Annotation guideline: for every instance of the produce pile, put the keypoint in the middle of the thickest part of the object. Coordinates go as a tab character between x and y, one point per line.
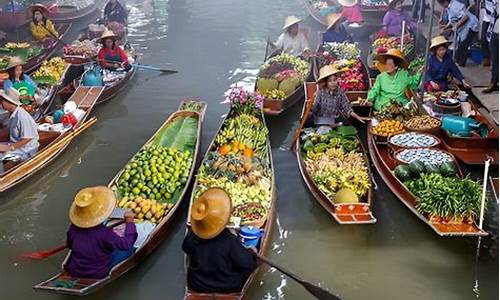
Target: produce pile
414	140
152	181
425	155
351	78
50	72
281	75
335	161
192	105
239	161
85	48
384	43
387	128
397	112
416	64
441	195
343	50
422	122
374	3
24	50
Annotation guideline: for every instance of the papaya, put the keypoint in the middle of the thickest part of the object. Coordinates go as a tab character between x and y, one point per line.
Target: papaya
266	84
289	85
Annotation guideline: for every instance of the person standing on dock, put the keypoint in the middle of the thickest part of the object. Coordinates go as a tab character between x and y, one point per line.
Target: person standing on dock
492	36
292	41
489	10
218	262
462	25
394	17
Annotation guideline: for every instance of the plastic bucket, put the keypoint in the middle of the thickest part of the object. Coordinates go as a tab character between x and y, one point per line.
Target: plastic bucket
476	55
250	236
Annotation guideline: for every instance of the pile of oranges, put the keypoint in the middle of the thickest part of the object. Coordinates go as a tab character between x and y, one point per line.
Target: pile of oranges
388	127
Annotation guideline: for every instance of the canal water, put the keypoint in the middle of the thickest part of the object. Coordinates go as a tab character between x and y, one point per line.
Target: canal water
215	44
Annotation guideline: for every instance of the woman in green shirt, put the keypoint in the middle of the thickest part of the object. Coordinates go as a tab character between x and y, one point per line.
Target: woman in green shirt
393	81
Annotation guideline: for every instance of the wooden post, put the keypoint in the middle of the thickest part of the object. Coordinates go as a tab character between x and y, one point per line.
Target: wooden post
483	197
403	25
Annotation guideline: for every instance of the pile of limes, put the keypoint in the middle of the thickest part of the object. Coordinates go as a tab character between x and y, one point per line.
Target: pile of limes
155	173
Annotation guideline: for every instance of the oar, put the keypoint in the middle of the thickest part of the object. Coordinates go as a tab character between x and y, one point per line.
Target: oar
316	291
145	67
305	114
58	39
41	255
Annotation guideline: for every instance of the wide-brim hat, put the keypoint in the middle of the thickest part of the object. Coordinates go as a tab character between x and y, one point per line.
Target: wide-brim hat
11	95
14	61
92	206
438	41
393	3
290	20
391	53
210	213
347	3
327	71
108	34
332	19
38	6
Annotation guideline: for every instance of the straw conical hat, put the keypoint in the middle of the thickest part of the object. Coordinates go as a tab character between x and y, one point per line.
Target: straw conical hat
14	61
291	20
92	206
327	71
391	53
38	6
332	19
438	41
210	213
347	3
10	95
108	34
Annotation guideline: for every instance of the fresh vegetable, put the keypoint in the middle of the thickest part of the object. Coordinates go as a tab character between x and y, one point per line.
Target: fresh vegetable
388	127
425	155
446	199
343	50
413	140
416	64
192	105
448	169
397	112
403	172
383	43
423	122
275	95
417	167
86	48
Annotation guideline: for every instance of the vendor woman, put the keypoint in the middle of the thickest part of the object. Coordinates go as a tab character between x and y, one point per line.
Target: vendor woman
42	29
292	40
393	81
17	79
23	133
394	17
441	66
330	103
95	247
111	55
351	11
218	262
335	32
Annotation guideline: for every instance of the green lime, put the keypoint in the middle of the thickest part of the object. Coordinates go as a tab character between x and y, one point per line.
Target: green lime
168	195
136	191
147	173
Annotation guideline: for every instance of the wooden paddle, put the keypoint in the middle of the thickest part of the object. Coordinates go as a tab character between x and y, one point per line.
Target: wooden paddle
41	255
145	67
316	291
303	120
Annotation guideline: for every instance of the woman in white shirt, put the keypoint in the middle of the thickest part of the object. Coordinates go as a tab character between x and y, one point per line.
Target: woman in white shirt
292	41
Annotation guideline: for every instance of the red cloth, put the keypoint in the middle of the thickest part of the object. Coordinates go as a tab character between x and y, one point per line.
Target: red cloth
352	14
117	54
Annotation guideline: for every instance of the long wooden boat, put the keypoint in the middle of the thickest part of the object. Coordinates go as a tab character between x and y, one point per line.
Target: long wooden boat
381	156
343	213
36	61
314	13
265	239
84	286
51	143
71	13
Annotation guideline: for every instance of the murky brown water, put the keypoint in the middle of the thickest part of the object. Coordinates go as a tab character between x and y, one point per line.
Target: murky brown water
215	44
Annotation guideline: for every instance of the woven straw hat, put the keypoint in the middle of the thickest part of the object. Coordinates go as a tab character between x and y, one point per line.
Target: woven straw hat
14	61
210	213
332	19
391	53
92	206
326	72
347	3
40	7
108	34
11	95
291	20
438	41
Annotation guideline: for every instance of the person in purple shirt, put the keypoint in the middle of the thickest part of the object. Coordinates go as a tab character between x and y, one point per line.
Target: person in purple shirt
96	248
441	66
394	17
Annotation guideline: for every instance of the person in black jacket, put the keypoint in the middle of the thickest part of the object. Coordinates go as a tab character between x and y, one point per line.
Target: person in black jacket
115	12
218	262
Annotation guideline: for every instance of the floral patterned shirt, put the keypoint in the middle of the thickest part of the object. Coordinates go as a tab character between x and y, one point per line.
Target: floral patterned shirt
329	106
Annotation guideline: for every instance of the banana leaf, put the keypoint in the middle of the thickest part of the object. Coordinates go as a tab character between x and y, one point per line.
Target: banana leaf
180	134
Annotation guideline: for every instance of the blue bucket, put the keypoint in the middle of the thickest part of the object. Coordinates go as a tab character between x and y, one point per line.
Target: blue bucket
250	236
476	54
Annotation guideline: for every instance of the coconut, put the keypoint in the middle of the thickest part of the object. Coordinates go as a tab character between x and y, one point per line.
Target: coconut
345	196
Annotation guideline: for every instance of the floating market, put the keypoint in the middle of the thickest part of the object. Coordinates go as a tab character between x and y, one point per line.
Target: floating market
306	149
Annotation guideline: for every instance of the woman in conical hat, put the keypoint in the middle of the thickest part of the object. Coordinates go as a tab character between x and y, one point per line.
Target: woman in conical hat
351	11
18	79
393	81
218	262
441	66
42	29
331	105
111	55
292	40
95	248
335	31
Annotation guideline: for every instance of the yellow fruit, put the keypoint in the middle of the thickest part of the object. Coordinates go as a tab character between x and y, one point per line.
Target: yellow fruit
145	208
140	216
132	205
148	215
137	210
158	215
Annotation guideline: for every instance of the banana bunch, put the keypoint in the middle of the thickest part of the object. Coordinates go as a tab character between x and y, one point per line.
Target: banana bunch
22	45
329	182
146	209
277	95
245	129
53	69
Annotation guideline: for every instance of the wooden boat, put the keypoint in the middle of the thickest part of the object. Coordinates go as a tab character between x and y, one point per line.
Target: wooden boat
36	61
314	13
265	242
381	156
494	186
343	213
84	286
51	143
12	20
71	13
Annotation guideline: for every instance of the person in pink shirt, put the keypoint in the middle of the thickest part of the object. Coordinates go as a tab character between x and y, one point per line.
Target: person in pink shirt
351	11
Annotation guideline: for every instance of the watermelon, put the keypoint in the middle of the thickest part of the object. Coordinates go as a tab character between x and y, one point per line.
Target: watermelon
402	172
432	168
417	167
448	169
